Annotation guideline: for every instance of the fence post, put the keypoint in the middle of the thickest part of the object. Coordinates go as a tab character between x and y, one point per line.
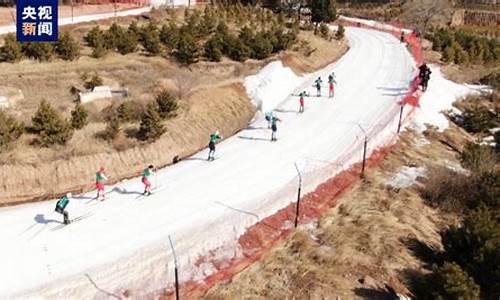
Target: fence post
400	117
297	207
364	152
175	270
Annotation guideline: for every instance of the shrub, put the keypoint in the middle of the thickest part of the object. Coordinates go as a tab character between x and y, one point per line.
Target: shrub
79	117
213	49
323	11
261	47
234	48
340	32
67	47
492	79
170	35
477	118
112	128
166	103
451	282
50	126
11	50
324	31
151	127
95	37
10	129
130	111
478	158
187	51
91	83
150	39
41	51
475	247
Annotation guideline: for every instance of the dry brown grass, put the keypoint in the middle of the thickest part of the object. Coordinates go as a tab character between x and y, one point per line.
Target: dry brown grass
360	245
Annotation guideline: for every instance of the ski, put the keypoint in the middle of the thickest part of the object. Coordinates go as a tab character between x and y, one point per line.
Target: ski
82	217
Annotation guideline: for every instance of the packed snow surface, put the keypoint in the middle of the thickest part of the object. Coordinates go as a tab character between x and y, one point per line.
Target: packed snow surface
122	243
439	98
406	177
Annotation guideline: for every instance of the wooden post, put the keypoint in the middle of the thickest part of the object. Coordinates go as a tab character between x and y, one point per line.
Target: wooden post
400	117
297	207
364	158
176	272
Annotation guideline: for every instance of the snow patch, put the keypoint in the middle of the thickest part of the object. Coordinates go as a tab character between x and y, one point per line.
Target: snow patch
439	97
272	85
406	177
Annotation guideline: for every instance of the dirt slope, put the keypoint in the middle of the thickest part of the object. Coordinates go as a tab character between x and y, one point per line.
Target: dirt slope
367	241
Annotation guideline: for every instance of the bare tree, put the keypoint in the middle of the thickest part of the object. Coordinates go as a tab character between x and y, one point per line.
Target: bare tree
423	13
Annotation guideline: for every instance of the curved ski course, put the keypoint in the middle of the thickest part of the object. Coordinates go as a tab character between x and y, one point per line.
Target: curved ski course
124	243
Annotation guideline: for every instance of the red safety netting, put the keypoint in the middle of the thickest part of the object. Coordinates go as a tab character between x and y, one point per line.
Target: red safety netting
323	182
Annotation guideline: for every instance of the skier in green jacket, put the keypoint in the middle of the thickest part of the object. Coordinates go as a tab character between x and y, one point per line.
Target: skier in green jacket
146	174
301	101
274	128
61	206
317	84
214	137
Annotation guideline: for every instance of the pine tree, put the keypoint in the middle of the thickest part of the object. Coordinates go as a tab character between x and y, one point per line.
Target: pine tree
11	50
213	49
112	128
166	103
151	127
41	51
187	51
170	35
10	129
324	31
323	11
340	32
150	39
67	47
79	117
451	282
50	126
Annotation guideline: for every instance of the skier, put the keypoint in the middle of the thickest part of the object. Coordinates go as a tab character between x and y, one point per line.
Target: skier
274	128
317	84
214	137
100	177
268	117
331	82
61	206
424	76
146	174
301	101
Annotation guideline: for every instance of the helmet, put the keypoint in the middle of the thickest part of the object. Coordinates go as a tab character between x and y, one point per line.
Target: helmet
101	168
217	132
69	195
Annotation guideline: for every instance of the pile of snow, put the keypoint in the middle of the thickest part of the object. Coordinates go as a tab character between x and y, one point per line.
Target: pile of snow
439	97
272	85
406	177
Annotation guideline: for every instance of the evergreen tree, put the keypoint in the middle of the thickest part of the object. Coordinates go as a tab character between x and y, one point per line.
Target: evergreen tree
10	129
151	127
50	126
187	51
213	49
150	39
67	47
340	32
166	103
94	37
11	50
170	35
451	282
112	128
42	51
323	11
79	117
